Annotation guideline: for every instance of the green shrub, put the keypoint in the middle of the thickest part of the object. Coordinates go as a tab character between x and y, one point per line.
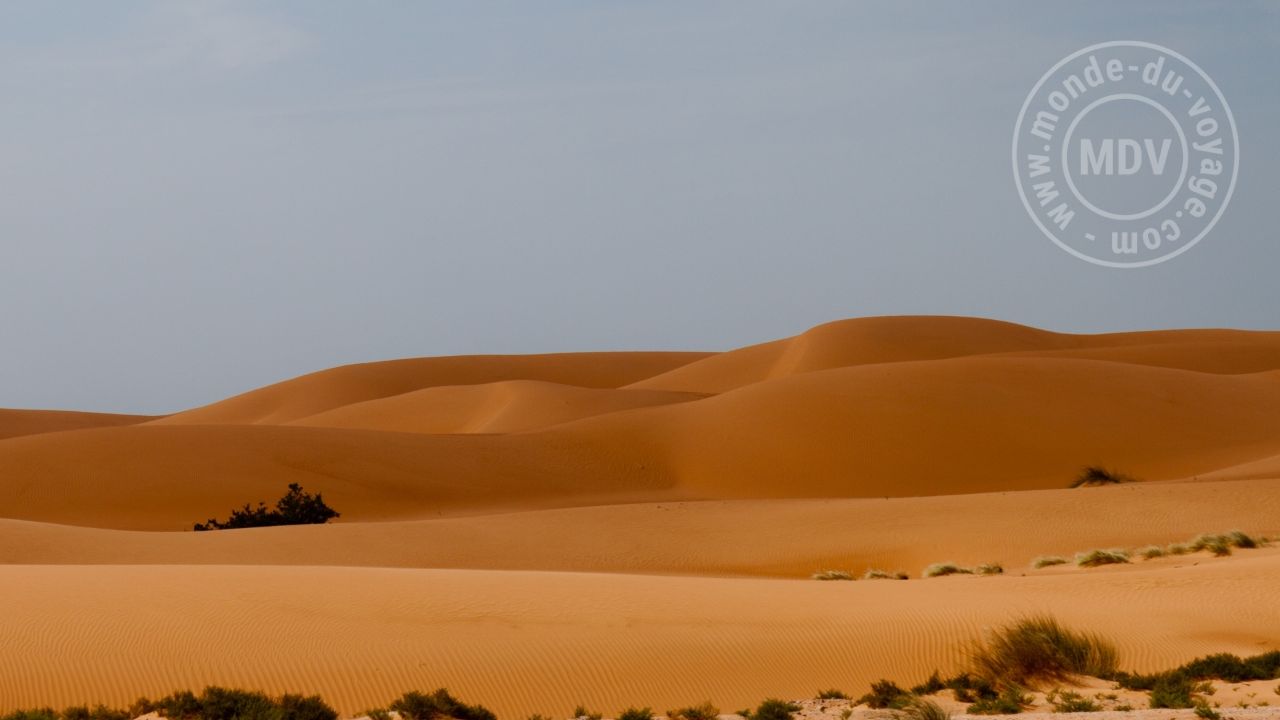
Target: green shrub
774	709
635	713
1045	561
1171	690
990	569
298	707
582	712
437	705
943	569
37	714
885	694
832	575
876	574
295	508
1095	475
101	712
1204	711
971	688
931	686
1040	648
1066	701
832	694
1151	552
1243	541
1178	549
1095	558
1010	702
705	711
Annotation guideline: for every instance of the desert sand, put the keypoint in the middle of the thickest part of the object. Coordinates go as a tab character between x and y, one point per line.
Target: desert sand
639	528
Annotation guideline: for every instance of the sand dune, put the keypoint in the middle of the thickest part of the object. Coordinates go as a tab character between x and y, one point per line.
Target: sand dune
616	528
543	642
329	389
765	538
502	407
17	423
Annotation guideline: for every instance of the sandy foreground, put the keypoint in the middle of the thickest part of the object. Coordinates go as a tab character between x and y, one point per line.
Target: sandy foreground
621	529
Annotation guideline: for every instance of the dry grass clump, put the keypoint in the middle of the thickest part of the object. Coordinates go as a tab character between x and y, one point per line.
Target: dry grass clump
877	574
1095	558
925	710
1045	561
635	713
705	711
1039	648
989	569
1151	552
1178	549
832	575
943	569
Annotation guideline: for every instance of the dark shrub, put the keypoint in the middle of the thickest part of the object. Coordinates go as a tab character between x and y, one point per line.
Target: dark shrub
1010	702
36	714
295	508
439	704
1171	690
933	685
101	712
582	712
634	713
705	711
297	707
885	694
1095	475
774	709
832	694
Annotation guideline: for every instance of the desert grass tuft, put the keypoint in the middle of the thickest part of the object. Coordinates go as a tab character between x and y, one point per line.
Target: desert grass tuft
925	710
1045	561
989	569
832	575
943	569
1151	552
705	711
635	713
1040	648
877	574
1095	558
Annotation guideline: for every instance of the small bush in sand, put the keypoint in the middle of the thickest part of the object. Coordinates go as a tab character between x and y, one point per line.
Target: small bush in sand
1207	713
1178	549
582	713
101	712
1171	691
217	703
1094	475
925	710
931	686
943	569
1151	552
635	713
832	575
295	508
705	711
774	709
1040	648
1045	561
437	706
1010	702
990	569
37	714
877	574
1095	558
1219	545
832	694
1066	701
384	714
885	694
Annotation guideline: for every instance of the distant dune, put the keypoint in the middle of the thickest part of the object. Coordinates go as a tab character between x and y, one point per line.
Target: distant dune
618	528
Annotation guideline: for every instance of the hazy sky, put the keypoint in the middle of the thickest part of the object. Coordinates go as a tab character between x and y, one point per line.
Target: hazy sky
203	197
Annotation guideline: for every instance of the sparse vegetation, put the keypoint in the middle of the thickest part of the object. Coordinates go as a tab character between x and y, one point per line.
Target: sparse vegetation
832	694
990	569
876	574
832	575
1096	558
1039	648
885	694
438	706
1045	561
1204	711
1067	701
1151	552
635	713
705	711
925	710
1009	702
933	685
295	508
582	713
774	709
1094	475
946	568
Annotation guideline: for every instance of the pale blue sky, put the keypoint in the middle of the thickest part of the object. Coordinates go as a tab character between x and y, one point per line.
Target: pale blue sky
203	197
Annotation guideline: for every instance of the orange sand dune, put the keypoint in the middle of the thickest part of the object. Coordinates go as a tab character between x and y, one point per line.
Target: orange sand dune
778	538
865	341
16	423
544	642
942	427
503	407
329	389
